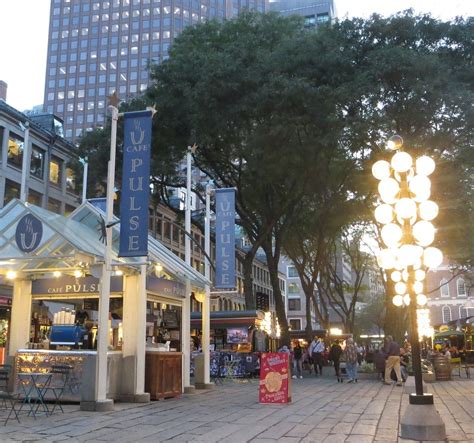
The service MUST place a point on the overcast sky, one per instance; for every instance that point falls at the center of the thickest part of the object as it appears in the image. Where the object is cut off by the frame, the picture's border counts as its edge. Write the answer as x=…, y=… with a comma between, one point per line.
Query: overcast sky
x=24, y=37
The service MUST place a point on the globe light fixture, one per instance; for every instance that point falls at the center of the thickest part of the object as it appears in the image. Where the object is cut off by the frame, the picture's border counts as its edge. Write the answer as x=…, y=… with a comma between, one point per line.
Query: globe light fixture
x=428, y=210
x=405, y=214
x=381, y=169
x=401, y=161
x=391, y=234
x=425, y=165
x=384, y=214
x=397, y=300
x=11, y=275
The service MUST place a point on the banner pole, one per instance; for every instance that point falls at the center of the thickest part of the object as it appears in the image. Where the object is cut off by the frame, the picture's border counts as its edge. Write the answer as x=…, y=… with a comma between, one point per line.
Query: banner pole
x=104, y=300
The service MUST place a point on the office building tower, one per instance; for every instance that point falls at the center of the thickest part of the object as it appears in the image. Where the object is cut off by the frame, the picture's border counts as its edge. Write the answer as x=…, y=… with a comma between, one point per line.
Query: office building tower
x=315, y=12
x=98, y=47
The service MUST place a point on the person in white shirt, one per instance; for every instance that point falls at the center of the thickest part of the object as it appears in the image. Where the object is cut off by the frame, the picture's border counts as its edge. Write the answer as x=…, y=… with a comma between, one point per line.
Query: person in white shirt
x=316, y=349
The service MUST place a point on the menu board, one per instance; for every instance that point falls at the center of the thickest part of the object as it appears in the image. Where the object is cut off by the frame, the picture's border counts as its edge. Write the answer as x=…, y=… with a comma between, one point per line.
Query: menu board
x=274, y=378
x=170, y=318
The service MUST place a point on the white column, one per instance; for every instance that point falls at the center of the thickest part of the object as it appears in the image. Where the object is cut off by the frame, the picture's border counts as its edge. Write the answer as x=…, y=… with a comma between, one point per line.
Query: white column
x=186, y=309
x=141, y=331
x=104, y=299
x=85, y=163
x=20, y=316
x=206, y=322
x=25, y=167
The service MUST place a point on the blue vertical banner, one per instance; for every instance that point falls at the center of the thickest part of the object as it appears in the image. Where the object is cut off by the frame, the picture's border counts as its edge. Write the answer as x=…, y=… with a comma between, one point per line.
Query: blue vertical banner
x=135, y=184
x=225, y=238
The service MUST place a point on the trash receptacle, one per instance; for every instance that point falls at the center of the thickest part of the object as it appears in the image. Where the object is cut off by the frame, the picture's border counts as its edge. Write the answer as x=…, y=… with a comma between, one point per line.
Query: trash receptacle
x=442, y=367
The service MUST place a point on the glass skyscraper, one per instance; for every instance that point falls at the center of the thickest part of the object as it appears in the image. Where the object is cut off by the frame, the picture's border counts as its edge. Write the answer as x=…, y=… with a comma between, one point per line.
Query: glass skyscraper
x=98, y=47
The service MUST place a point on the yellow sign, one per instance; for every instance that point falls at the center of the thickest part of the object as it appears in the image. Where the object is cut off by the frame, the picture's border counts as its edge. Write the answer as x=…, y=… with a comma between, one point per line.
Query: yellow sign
x=443, y=328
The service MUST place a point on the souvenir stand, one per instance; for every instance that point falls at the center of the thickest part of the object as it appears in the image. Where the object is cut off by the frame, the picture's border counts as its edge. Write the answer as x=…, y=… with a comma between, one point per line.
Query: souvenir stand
x=54, y=265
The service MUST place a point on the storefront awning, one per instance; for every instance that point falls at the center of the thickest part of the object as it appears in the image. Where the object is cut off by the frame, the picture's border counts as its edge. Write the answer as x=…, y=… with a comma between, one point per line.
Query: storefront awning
x=63, y=242
x=227, y=319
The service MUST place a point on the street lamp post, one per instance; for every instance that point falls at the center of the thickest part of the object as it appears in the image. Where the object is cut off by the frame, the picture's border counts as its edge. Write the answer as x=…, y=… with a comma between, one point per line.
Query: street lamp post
x=406, y=212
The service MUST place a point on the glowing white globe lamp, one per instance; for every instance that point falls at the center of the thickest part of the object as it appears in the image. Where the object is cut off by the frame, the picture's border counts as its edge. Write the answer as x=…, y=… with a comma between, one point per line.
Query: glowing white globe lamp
x=384, y=214
x=421, y=299
x=425, y=165
x=401, y=161
x=388, y=190
x=418, y=287
x=396, y=276
x=420, y=186
x=397, y=300
x=432, y=257
x=424, y=232
x=406, y=299
x=391, y=234
x=381, y=170
x=400, y=288
x=428, y=210
x=420, y=275
x=387, y=258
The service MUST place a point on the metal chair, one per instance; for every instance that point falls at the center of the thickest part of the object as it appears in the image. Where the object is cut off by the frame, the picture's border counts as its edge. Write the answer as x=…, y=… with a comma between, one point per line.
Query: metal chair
x=61, y=375
x=8, y=400
x=5, y=371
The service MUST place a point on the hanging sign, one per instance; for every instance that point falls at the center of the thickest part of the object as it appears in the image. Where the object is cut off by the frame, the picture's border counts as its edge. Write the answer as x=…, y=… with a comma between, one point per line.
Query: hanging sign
x=274, y=378
x=225, y=238
x=135, y=184
x=29, y=233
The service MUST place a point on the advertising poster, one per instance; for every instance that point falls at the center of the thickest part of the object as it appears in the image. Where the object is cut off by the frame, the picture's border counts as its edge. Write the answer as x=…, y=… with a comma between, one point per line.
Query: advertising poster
x=274, y=378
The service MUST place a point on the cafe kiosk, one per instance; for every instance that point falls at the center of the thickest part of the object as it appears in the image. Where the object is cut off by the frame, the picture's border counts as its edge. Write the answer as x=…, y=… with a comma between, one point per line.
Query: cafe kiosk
x=54, y=265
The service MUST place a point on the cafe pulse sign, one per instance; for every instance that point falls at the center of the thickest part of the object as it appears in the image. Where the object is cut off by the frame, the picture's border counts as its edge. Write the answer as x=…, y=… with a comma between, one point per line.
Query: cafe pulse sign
x=274, y=378
x=135, y=184
x=225, y=238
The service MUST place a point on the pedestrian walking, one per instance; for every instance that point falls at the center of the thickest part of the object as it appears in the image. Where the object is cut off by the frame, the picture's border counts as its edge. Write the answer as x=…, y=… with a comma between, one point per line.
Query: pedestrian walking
x=335, y=357
x=316, y=349
x=298, y=360
x=392, y=355
x=350, y=354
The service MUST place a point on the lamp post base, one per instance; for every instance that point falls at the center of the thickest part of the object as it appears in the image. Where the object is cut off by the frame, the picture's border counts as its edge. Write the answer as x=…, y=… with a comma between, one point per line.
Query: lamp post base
x=421, y=421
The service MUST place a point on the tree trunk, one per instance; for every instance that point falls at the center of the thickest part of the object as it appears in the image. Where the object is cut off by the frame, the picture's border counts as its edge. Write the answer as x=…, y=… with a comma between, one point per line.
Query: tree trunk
x=309, y=326
x=248, y=280
x=272, y=262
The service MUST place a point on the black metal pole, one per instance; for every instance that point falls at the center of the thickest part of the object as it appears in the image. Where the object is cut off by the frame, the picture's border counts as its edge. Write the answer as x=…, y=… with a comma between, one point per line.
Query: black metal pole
x=414, y=339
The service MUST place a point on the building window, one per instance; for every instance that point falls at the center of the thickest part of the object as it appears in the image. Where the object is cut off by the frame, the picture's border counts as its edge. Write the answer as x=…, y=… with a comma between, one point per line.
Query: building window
x=294, y=304
x=35, y=198
x=461, y=287
x=293, y=288
x=444, y=288
x=446, y=314
x=463, y=312
x=12, y=190
x=55, y=166
x=295, y=324
x=37, y=162
x=292, y=272
x=15, y=150
x=54, y=205
x=70, y=180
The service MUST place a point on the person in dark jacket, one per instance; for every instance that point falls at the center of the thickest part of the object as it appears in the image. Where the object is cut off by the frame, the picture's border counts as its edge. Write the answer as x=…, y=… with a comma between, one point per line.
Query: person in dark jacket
x=298, y=360
x=379, y=360
x=335, y=356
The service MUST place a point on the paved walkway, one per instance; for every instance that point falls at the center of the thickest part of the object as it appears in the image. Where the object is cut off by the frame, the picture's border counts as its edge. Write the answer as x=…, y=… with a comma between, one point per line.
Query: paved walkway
x=322, y=411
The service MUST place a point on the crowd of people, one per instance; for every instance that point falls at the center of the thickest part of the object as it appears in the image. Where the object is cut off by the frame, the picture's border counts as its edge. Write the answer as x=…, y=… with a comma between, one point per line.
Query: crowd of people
x=391, y=359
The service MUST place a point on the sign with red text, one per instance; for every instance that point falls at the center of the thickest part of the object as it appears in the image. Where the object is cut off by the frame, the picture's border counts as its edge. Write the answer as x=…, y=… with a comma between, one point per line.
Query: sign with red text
x=274, y=378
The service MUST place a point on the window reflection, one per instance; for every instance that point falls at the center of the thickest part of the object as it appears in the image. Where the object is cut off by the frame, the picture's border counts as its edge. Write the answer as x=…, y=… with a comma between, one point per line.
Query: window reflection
x=37, y=162
x=55, y=171
x=15, y=150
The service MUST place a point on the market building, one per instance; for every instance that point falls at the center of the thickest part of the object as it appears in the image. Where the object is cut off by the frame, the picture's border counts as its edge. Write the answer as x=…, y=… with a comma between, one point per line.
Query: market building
x=54, y=264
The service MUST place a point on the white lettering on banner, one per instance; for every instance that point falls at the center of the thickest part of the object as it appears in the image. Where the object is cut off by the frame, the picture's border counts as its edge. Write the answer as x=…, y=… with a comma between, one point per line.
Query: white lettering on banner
x=136, y=162
x=137, y=148
x=225, y=279
x=133, y=242
x=225, y=238
x=134, y=225
x=225, y=265
x=132, y=205
x=136, y=187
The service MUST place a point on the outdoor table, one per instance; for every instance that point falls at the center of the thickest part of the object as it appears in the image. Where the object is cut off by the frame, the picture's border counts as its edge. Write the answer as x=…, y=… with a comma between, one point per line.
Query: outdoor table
x=33, y=386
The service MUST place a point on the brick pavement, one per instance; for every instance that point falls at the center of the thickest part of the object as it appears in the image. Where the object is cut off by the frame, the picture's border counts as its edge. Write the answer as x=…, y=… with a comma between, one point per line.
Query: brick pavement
x=321, y=411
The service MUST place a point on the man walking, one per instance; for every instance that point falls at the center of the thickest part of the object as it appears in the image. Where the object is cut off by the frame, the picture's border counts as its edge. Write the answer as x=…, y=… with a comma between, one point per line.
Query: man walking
x=392, y=354
x=316, y=349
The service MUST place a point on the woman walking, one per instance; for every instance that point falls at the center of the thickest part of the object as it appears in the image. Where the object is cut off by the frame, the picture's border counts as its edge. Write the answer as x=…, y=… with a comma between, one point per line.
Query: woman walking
x=351, y=360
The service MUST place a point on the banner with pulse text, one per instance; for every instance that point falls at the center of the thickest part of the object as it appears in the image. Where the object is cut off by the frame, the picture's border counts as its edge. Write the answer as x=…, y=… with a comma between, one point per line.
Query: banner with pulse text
x=225, y=238
x=135, y=184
